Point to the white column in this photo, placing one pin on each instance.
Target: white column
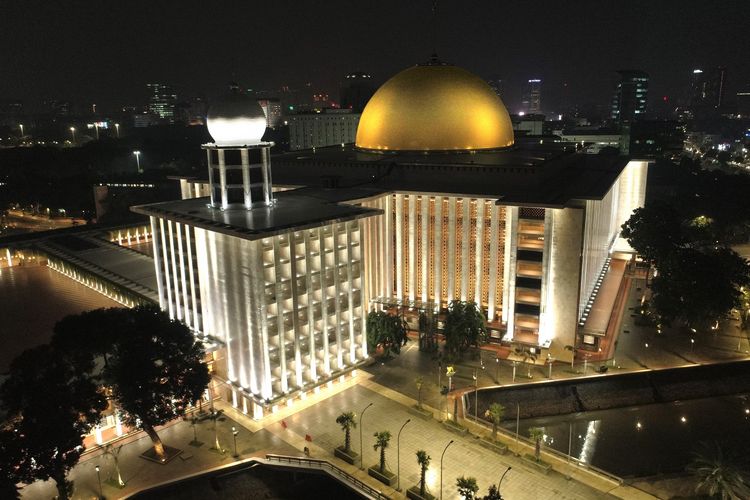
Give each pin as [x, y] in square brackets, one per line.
[425, 209]
[389, 243]
[399, 229]
[465, 236]
[495, 256]
[479, 242]
[451, 249]
[437, 262]
[412, 264]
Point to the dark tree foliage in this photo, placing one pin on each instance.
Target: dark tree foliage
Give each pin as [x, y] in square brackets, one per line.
[387, 331]
[49, 404]
[10, 458]
[155, 371]
[697, 287]
[686, 237]
[464, 327]
[91, 333]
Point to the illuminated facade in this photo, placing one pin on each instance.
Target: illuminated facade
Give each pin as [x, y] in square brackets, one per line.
[432, 204]
[275, 280]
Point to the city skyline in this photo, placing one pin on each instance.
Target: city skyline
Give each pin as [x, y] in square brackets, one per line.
[198, 50]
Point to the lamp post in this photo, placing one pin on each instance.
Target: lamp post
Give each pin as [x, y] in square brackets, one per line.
[99, 478]
[503, 477]
[21, 127]
[398, 454]
[138, 160]
[497, 370]
[441, 468]
[96, 127]
[361, 444]
[518, 423]
[117, 129]
[73, 134]
[476, 392]
[234, 435]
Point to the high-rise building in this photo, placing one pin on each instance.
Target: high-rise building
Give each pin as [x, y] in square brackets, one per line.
[356, 90]
[161, 101]
[629, 101]
[332, 127]
[532, 97]
[496, 84]
[707, 89]
[272, 109]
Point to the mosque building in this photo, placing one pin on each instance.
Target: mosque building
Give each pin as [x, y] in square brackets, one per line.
[436, 201]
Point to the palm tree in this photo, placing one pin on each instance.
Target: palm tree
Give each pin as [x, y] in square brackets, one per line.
[467, 487]
[717, 475]
[419, 381]
[381, 441]
[347, 422]
[423, 459]
[537, 434]
[495, 414]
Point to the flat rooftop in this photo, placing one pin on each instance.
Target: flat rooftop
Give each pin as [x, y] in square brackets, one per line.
[292, 210]
[544, 173]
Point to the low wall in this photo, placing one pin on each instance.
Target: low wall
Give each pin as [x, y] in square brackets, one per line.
[617, 390]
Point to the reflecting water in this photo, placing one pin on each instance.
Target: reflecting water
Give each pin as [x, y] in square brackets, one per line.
[32, 300]
[646, 440]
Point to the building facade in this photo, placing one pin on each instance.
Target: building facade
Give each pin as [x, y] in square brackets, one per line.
[316, 130]
[629, 101]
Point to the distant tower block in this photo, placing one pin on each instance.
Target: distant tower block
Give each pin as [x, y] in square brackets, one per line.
[239, 165]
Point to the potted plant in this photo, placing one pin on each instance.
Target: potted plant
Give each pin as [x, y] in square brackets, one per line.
[467, 487]
[418, 409]
[537, 435]
[420, 492]
[495, 415]
[347, 422]
[379, 471]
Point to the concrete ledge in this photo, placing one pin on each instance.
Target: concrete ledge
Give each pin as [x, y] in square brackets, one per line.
[420, 412]
[386, 477]
[413, 494]
[455, 428]
[542, 466]
[495, 446]
[349, 457]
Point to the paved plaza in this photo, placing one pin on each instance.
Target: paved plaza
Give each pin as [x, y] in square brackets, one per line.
[389, 386]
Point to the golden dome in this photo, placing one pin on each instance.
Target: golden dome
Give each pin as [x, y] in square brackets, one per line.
[434, 107]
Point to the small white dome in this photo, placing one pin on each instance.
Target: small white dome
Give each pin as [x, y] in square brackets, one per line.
[236, 119]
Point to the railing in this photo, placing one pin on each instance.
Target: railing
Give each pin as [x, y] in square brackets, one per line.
[570, 461]
[316, 463]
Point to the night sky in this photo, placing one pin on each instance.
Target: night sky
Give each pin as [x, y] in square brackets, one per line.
[105, 52]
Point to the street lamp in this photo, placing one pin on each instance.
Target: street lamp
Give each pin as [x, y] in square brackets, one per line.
[441, 468]
[361, 444]
[99, 478]
[117, 129]
[497, 370]
[96, 127]
[21, 126]
[476, 392]
[398, 454]
[234, 435]
[138, 160]
[502, 477]
[73, 134]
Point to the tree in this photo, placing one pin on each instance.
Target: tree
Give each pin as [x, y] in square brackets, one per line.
[10, 457]
[654, 231]
[91, 333]
[155, 371]
[464, 327]
[419, 382]
[537, 434]
[49, 404]
[717, 475]
[495, 414]
[493, 493]
[698, 287]
[386, 331]
[347, 423]
[423, 459]
[381, 441]
[467, 487]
